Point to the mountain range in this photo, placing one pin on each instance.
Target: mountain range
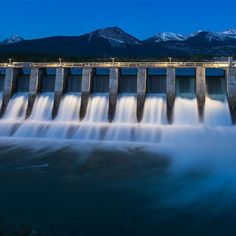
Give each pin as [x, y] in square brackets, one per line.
[114, 42]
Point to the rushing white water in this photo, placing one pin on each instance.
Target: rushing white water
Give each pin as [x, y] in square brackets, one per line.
[95, 125]
[1, 96]
[97, 108]
[66, 122]
[38, 123]
[96, 117]
[185, 111]
[14, 114]
[155, 110]
[69, 108]
[16, 107]
[217, 113]
[126, 109]
[125, 116]
[42, 109]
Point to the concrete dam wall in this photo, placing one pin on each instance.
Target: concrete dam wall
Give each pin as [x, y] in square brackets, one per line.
[172, 81]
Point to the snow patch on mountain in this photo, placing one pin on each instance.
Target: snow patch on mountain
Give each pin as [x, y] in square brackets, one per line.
[221, 36]
[168, 36]
[209, 36]
[12, 39]
[116, 37]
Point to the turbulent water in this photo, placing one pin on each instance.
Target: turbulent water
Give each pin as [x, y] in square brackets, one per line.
[92, 177]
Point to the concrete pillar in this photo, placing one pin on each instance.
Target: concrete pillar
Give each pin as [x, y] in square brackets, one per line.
[201, 89]
[85, 90]
[170, 89]
[141, 92]
[61, 76]
[231, 91]
[34, 87]
[9, 87]
[113, 90]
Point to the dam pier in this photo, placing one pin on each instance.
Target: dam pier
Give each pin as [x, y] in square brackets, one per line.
[216, 80]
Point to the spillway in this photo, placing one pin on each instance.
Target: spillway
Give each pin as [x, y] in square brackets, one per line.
[42, 109]
[16, 108]
[66, 122]
[155, 110]
[126, 109]
[97, 109]
[69, 108]
[217, 113]
[14, 114]
[38, 123]
[95, 126]
[1, 96]
[185, 111]
[130, 102]
[96, 118]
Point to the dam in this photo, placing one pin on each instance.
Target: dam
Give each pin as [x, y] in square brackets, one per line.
[130, 101]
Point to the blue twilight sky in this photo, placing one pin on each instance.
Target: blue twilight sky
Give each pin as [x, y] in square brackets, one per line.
[41, 18]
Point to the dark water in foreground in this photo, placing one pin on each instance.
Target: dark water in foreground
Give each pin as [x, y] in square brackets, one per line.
[53, 188]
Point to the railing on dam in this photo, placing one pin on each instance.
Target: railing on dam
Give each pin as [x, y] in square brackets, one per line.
[210, 64]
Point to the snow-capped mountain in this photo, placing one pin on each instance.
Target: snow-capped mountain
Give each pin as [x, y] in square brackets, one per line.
[209, 36]
[115, 36]
[229, 33]
[114, 42]
[221, 36]
[12, 39]
[167, 36]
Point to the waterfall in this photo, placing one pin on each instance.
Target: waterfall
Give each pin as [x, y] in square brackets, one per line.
[42, 109]
[1, 96]
[16, 107]
[155, 110]
[126, 109]
[14, 114]
[97, 108]
[95, 119]
[122, 128]
[185, 111]
[216, 113]
[66, 122]
[69, 108]
[38, 123]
